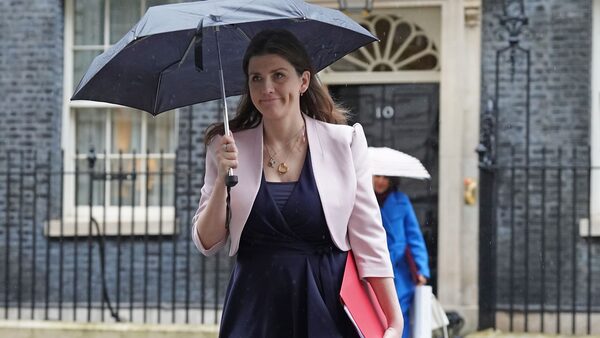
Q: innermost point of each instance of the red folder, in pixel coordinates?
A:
(360, 303)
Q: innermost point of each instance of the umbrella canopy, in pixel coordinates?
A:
(153, 68)
(389, 162)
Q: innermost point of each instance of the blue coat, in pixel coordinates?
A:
(402, 229)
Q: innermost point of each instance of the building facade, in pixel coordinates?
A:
(423, 89)
(539, 178)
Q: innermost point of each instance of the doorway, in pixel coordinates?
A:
(403, 117)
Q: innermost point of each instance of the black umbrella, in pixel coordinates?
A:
(154, 66)
(181, 54)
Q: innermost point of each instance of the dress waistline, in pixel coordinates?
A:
(287, 248)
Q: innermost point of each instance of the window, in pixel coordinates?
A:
(127, 141)
(408, 50)
(116, 136)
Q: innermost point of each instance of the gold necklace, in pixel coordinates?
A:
(282, 168)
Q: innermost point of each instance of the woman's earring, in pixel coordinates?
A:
(301, 93)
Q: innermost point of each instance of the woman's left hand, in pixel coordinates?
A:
(421, 280)
(388, 299)
(392, 333)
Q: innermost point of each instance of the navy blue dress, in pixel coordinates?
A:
(288, 273)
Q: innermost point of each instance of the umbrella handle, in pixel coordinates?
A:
(231, 180)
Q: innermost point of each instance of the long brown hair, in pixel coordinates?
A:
(315, 102)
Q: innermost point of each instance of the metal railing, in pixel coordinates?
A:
(537, 270)
(131, 260)
(537, 245)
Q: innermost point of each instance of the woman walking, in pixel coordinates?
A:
(304, 198)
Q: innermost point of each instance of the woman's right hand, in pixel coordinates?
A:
(227, 156)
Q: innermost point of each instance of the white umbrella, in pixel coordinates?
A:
(389, 162)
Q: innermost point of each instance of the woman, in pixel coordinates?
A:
(303, 199)
(403, 236)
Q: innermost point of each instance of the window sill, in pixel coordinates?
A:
(157, 223)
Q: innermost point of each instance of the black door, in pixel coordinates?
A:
(404, 117)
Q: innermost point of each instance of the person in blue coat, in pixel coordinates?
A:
(403, 233)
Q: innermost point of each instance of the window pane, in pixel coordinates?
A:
(89, 22)
(126, 130)
(161, 133)
(82, 61)
(90, 129)
(123, 15)
(154, 179)
(83, 185)
(123, 181)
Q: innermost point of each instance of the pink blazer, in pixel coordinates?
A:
(340, 166)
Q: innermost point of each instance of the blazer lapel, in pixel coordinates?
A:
(317, 158)
(334, 175)
(325, 183)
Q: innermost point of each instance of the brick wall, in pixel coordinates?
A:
(31, 64)
(558, 38)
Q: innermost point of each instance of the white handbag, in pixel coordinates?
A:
(427, 313)
(421, 312)
(439, 320)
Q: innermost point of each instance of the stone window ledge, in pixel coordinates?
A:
(155, 222)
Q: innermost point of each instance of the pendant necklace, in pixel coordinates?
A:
(282, 168)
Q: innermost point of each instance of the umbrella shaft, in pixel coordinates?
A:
(225, 113)
(222, 79)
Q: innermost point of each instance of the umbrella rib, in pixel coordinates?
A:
(157, 91)
(180, 62)
(154, 108)
(242, 31)
(187, 51)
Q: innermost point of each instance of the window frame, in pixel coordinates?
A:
(157, 220)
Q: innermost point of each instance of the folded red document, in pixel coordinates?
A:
(360, 303)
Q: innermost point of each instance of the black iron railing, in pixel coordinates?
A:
(131, 260)
(537, 271)
(537, 267)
